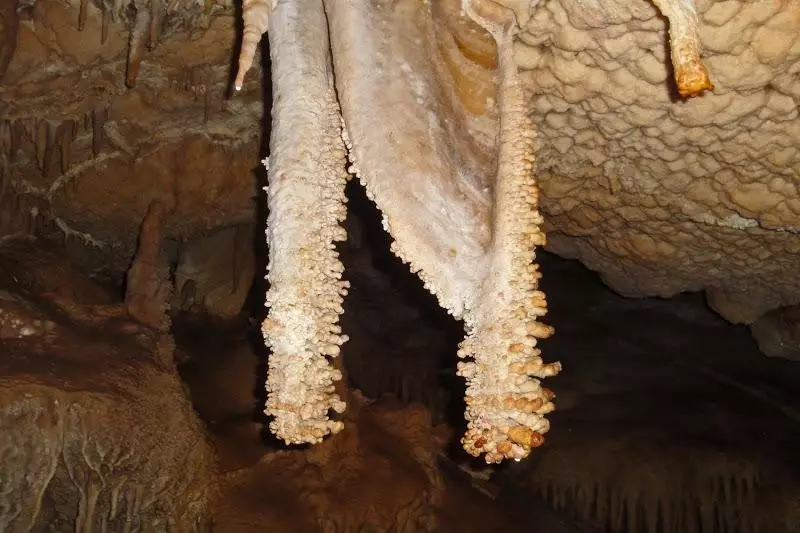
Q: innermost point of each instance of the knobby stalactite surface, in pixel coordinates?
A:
(461, 204)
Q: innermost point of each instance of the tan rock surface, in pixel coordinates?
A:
(660, 195)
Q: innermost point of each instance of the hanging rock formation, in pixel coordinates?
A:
(469, 236)
(660, 194)
(657, 193)
(463, 209)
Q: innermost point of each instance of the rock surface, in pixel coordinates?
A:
(82, 156)
(658, 195)
(94, 433)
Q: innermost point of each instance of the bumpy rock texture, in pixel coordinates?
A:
(658, 195)
(107, 109)
(80, 447)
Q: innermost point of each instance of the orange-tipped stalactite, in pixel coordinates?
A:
(691, 75)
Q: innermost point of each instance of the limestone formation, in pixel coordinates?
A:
(659, 193)
(95, 434)
(662, 195)
(469, 228)
(463, 211)
(306, 205)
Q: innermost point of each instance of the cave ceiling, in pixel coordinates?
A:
(106, 107)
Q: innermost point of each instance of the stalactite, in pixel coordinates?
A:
(306, 207)
(5, 215)
(82, 14)
(40, 224)
(105, 24)
(14, 210)
(9, 23)
(42, 137)
(691, 75)
(99, 115)
(506, 404)
(5, 138)
(63, 140)
(50, 160)
(657, 497)
(255, 15)
(156, 19)
(137, 41)
(5, 175)
(17, 133)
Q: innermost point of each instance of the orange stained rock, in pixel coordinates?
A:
(525, 436)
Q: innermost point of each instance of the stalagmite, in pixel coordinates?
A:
(306, 206)
(691, 76)
(149, 289)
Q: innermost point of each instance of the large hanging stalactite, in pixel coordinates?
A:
(505, 404)
(306, 207)
(460, 203)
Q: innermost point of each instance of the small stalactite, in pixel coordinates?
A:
(17, 135)
(105, 24)
(64, 136)
(5, 175)
(83, 14)
(51, 148)
(41, 138)
(5, 214)
(99, 116)
(156, 19)
(5, 138)
(139, 37)
(722, 500)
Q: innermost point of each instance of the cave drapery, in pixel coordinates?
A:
(461, 206)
